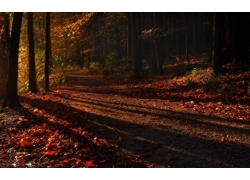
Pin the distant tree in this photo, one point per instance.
(139, 30)
(218, 23)
(4, 49)
(237, 37)
(158, 20)
(187, 39)
(117, 43)
(153, 63)
(129, 36)
(178, 38)
(47, 52)
(134, 46)
(11, 97)
(32, 67)
(79, 55)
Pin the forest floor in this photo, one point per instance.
(91, 122)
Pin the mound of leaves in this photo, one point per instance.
(51, 134)
(226, 95)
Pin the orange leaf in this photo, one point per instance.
(49, 153)
(89, 164)
(22, 119)
(65, 161)
(24, 143)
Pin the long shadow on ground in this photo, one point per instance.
(160, 145)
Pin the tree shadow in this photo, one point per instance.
(163, 145)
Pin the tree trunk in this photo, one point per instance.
(129, 55)
(153, 64)
(11, 98)
(4, 49)
(241, 36)
(117, 42)
(210, 39)
(47, 52)
(50, 56)
(78, 55)
(172, 50)
(187, 39)
(32, 67)
(158, 17)
(217, 42)
(139, 40)
(178, 36)
(194, 34)
(134, 46)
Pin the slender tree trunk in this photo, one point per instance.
(153, 64)
(217, 42)
(210, 38)
(178, 36)
(47, 52)
(11, 98)
(173, 34)
(241, 36)
(88, 55)
(50, 56)
(4, 49)
(139, 40)
(134, 46)
(7, 32)
(118, 46)
(187, 44)
(194, 34)
(78, 55)
(32, 67)
(158, 42)
(129, 54)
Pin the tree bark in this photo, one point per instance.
(153, 64)
(47, 52)
(158, 17)
(11, 98)
(178, 36)
(117, 42)
(4, 49)
(129, 55)
(32, 67)
(217, 42)
(139, 29)
(241, 36)
(187, 39)
(134, 46)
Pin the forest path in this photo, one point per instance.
(157, 132)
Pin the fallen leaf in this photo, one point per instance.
(223, 139)
(49, 153)
(89, 164)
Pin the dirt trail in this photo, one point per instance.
(158, 133)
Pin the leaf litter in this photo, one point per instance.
(48, 132)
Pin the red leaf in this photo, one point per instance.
(24, 143)
(5, 156)
(65, 161)
(89, 164)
